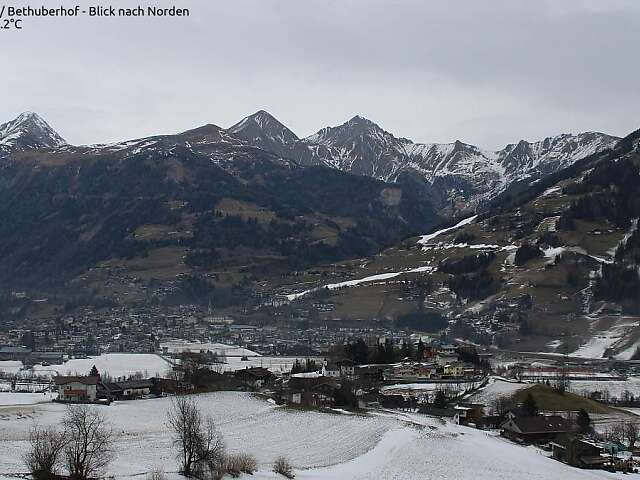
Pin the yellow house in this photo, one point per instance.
(453, 370)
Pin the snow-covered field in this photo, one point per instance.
(232, 356)
(321, 446)
(307, 438)
(615, 387)
(496, 388)
(125, 364)
(115, 364)
(8, 398)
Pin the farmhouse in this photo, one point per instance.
(77, 389)
(109, 390)
(579, 452)
(538, 428)
(347, 368)
(135, 388)
(468, 413)
(331, 370)
(255, 377)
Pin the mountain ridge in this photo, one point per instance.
(462, 177)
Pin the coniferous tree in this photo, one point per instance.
(529, 406)
(420, 352)
(440, 400)
(583, 421)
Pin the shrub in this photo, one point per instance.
(235, 464)
(283, 467)
(527, 252)
(464, 237)
(467, 264)
(473, 286)
(157, 474)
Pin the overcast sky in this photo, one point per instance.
(485, 72)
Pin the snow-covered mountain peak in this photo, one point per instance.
(263, 129)
(359, 120)
(355, 131)
(552, 153)
(28, 131)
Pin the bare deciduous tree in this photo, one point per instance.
(200, 444)
(89, 442)
(43, 456)
(630, 433)
(613, 433)
(502, 404)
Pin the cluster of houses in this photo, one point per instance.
(92, 389)
(440, 362)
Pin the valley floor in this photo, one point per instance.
(381, 445)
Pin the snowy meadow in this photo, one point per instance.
(381, 445)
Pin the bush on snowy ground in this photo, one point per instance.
(157, 474)
(237, 463)
(283, 467)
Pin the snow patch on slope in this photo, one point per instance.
(430, 236)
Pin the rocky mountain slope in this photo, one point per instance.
(554, 267)
(195, 203)
(464, 176)
(261, 223)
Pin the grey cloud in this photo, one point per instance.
(484, 72)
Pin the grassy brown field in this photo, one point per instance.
(548, 399)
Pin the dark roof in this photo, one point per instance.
(135, 384)
(543, 424)
(257, 372)
(516, 412)
(112, 387)
(14, 350)
(324, 387)
(47, 354)
(439, 412)
(63, 380)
